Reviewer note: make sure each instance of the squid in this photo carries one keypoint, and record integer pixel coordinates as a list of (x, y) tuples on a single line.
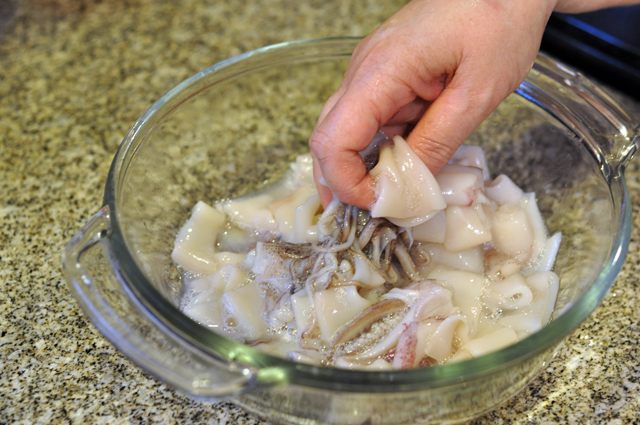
[(442, 268)]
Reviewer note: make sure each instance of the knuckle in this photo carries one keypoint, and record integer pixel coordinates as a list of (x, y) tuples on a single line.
[(320, 144), (433, 153)]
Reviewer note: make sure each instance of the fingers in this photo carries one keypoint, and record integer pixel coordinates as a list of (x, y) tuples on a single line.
[(393, 130), (335, 146), (442, 126), (347, 128), (412, 113), (450, 119), (326, 196)]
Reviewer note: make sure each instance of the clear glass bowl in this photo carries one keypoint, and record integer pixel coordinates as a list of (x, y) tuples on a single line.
[(233, 127)]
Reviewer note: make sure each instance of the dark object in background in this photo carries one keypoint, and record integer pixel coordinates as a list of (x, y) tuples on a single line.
[(604, 44), (7, 12)]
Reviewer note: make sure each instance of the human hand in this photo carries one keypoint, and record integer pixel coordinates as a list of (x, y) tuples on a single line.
[(441, 65)]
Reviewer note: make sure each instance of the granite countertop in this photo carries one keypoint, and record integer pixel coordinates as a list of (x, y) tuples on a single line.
[(74, 76)]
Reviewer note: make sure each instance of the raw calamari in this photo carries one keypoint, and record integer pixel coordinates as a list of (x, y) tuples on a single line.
[(441, 269)]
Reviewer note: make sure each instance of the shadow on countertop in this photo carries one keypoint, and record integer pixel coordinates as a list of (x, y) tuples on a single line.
[(42, 11), (7, 13)]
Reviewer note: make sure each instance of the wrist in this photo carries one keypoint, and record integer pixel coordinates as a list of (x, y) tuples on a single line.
[(578, 6)]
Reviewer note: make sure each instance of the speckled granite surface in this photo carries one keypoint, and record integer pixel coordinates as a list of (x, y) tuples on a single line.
[(74, 75)]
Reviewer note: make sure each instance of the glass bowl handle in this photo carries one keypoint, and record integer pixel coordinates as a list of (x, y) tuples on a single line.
[(95, 281), (624, 142), (610, 132)]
